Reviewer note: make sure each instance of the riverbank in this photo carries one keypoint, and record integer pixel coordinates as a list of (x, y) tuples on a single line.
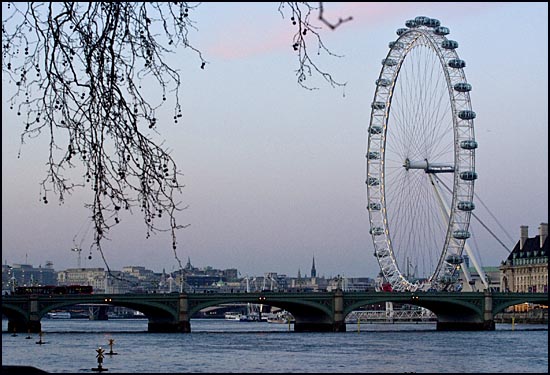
[(536, 316)]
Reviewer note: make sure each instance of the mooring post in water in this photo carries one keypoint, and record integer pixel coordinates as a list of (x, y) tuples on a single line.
[(40, 340), (100, 357), (111, 342)]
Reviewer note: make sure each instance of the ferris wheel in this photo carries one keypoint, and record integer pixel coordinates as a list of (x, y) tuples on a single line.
[(421, 160)]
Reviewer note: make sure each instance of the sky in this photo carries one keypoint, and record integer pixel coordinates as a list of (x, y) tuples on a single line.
[(275, 174)]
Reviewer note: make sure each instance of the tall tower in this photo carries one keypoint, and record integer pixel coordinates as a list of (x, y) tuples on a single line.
[(188, 266), (313, 270)]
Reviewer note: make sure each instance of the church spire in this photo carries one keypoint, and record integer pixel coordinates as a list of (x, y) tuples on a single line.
[(188, 266), (313, 270)]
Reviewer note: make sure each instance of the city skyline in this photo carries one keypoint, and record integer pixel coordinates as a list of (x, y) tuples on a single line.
[(275, 174)]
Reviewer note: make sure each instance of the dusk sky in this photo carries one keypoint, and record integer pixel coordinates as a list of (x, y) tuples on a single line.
[(274, 173)]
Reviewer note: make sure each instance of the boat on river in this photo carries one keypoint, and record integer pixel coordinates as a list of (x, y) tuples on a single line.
[(231, 315), (280, 317), (59, 315), (250, 317)]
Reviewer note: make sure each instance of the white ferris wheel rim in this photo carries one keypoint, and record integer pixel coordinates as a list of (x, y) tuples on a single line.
[(421, 34)]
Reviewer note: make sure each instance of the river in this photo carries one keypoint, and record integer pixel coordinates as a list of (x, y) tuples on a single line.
[(222, 346)]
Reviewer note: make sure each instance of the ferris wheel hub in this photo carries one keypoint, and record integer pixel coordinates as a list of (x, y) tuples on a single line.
[(428, 167)]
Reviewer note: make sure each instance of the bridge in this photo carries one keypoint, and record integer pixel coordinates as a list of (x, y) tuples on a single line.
[(313, 311)]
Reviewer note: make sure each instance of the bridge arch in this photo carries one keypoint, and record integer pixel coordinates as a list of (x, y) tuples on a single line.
[(25, 313), (454, 311), (501, 301), (311, 312), (431, 302), (14, 312)]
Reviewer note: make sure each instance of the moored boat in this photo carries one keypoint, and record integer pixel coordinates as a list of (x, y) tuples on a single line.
[(280, 317), (59, 315), (231, 315)]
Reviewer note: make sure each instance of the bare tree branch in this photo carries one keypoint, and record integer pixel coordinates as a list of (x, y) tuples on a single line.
[(329, 24), (301, 18), (79, 68), (82, 75)]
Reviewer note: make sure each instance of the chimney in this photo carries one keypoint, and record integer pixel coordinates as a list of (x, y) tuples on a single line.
[(523, 234), (543, 233)]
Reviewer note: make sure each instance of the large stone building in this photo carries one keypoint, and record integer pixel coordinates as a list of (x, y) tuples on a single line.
[(27, 275), (130, 279), (83, 276), (526, 268)]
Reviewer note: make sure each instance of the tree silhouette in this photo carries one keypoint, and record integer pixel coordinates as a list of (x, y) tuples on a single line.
[(82, 74)]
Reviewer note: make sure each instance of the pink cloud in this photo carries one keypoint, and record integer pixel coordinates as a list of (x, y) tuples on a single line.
[(252, 38), (242, 43)]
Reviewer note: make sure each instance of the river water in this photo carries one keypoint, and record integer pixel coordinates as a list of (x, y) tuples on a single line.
[(255, 347)]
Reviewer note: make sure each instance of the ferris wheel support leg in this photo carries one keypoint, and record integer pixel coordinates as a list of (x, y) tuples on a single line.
[(467, 275), (445, 212), (478, 268)]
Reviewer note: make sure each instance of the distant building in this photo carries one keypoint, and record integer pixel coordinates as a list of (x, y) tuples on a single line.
[(229, 274), (27, 275), (137, 279), (492, 275), (526, 268), (94, 277), (139, 272), (358, 284)]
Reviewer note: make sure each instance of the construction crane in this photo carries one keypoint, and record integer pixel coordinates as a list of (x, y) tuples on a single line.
[(77, 248)]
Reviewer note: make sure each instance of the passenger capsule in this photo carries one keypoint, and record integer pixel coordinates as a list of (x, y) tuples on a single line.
[(421, 19), (449, 44), (383, 82), (373, 206), (395, 44), (467, 115), (376, 231), (454, 259), (401, 31), (375, 129), (378, 105), (468, 175), (468, 144), (382, 253), (448, 279), (432, 22), (411, 24), (373, 155), (457, 63), (461, 234), (442, 30), (463, 87), (373, 181), (466, 206), (389, 62)]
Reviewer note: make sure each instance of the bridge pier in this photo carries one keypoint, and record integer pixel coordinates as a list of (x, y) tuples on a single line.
[(311, 322), (167, 325)]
